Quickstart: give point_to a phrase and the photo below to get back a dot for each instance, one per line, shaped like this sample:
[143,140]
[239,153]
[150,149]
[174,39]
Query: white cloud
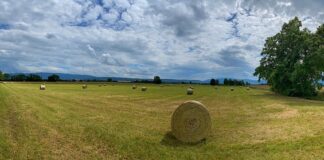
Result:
[173,39]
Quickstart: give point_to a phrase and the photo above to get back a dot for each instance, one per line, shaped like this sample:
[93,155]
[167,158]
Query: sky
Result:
[180,39]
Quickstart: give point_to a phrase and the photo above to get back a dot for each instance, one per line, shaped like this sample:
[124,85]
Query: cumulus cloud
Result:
[141,38]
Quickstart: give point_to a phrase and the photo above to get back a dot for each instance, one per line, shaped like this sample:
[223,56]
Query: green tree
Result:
[7,77]
[18,77]
[225,81]
[1,76]
[33,77]
[292,61]
[212,82]
[53,78]
[157,80]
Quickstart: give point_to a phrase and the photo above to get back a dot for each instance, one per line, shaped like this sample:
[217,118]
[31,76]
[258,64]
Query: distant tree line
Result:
[229,82]
[235,82]
[22,77]
[27,77]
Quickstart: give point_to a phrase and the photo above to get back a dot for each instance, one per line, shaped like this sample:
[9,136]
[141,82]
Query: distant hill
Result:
[69,77]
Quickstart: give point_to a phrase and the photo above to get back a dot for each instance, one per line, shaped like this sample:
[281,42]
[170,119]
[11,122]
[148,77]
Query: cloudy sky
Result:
[192,39]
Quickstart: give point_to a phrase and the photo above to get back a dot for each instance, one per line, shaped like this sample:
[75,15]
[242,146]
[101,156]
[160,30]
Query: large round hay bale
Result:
[84,86]
[189,91]
[144,89]
[42,87]
[232,89]
[191,122]
[134,87]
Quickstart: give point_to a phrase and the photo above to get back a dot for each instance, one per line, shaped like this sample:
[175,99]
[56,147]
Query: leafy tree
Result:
[18,77]
[212,82]
[157,80]
[6,77]
[1,76]
[292,61]
[216,82]
[225,81]
[109,80]
[53,78]
[33,77]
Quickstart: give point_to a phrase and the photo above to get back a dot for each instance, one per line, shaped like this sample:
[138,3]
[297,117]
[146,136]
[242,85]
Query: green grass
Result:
[116,122]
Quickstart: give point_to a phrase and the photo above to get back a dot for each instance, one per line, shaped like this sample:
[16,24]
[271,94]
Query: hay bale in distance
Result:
[144,89]
[232,89]
[42,87]
[84,86]
[134,87]
[189,91]
[191,122]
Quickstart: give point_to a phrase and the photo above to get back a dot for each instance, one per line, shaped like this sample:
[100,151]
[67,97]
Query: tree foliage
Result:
[234,82]
[1,76]
[53,78]
[214,82]
[157,80]
[293,60]
[33,77]
[18,77]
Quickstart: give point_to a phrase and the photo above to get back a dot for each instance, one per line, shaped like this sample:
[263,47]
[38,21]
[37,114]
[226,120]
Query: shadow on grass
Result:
[170,140]
[292,101]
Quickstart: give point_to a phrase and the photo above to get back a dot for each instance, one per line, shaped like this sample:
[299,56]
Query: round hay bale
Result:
[191,122]
[42,87]
[144,89]
[248,88]
[232,89]
[189,91]
[84,86]
[134,87]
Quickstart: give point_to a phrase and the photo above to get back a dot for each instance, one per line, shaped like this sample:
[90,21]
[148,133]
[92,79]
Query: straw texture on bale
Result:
[191,122]
[144,89]
[42,87]
[84,86]
[189,91]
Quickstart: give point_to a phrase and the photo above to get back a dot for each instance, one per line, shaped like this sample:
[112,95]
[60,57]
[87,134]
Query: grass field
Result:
[116,122]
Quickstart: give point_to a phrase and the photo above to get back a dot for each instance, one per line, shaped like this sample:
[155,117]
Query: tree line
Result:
[229,82]
[27,77]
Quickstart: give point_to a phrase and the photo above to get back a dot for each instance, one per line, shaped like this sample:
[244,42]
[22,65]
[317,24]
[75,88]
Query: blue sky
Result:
[183,39]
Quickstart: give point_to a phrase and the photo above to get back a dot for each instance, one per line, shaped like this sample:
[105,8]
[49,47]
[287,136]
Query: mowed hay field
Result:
[117,122]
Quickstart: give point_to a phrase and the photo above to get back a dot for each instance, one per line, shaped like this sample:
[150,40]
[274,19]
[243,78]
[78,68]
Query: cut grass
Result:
[117,122]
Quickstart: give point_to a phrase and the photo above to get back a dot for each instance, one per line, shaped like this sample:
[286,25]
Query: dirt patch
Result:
[287,113]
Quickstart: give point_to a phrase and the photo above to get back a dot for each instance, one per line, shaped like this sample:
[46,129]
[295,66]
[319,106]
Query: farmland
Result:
[113,121]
